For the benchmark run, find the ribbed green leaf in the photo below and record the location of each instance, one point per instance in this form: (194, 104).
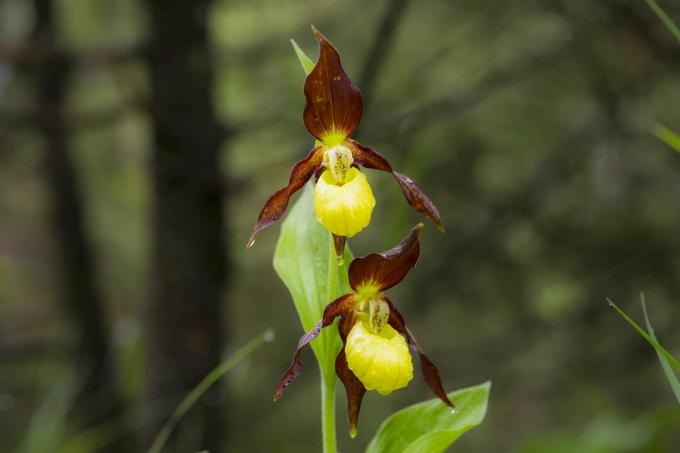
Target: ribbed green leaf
(430, 426)
(303, 257)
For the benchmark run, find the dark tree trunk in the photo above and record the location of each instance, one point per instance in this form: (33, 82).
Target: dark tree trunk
(184, 316)
(97, 399)
(383, 39)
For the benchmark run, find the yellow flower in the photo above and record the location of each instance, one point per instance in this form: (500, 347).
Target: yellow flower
(343, 208)
(380, 360)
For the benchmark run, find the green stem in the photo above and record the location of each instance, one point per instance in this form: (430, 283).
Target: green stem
(327, 369)
(332, 271)
(328, 414)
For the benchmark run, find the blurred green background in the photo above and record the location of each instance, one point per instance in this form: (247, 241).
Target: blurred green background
(528, 123)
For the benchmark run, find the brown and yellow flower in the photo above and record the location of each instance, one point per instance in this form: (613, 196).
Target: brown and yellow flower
(343, 199)
(375, 353)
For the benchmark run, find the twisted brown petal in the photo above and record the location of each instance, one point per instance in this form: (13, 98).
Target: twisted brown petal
(339, 306)
(334, 104)
(429, 370)
(388, 268)
(353, 387)
(276, 205)
(412, 192)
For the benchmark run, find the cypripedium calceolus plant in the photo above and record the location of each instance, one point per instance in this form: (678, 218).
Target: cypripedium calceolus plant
(375, 353)
(343, 199)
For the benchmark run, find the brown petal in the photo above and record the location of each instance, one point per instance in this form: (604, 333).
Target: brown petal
(388, 268)
(334, 104)
(276, 205)
(339, 306)
(414, 194)
(429, 370)
(353, 386)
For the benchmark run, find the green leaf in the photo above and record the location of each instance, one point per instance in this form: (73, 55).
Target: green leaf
(665, 18)
(667, 136)
(305, 61)
(430, 426)
(668, 371)
(305, 261)
(655, 344)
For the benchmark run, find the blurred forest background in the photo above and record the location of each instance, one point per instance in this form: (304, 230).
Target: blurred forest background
(140, 138)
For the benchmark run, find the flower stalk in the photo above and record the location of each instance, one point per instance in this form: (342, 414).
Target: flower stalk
(328, 437)
(328, 379)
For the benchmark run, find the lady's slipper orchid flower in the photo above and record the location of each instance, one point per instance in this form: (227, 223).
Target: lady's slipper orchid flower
(375, 355)
(343, 200)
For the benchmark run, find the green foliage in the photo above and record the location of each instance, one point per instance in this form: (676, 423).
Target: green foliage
(667, 136)
(608, 432)
(203, 386)
(48, 425)
(304, 259)
(668, 371)
(665, 18)
(664, 355)
(430, 426)
(305, 61)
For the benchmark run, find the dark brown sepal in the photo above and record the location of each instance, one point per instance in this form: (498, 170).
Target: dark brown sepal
(418, 200)
(353, 387)
(339, 306)
(429, 369)
(369, 158)
(339, 244)
(388, 268)
(415, 196)
(277, 204)
(334, 104)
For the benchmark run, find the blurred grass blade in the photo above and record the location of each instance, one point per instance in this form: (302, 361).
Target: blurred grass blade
(659, 349)
(92, 439)
(204, 385)
(430, 426)
(305, 61)
(48, 425)
(665, 18)
(667, 136)
(670, 375)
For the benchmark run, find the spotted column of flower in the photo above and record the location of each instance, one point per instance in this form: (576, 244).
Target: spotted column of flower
(375, 353)
(343, 199)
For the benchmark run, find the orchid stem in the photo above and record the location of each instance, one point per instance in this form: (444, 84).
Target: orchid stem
(328, 414)
(327, 369)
